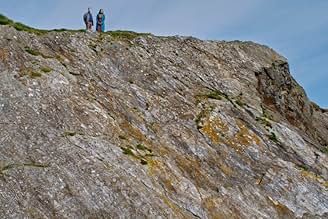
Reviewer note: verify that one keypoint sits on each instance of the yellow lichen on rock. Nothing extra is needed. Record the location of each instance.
(210, 131)
(282, 210)
(225, 169)
(134, 132)
(213, 127)
(3, 54)
(212, 206)
(176, 209)
(245, 136)
(312, 176)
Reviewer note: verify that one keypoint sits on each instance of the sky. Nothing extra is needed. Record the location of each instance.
(297, 29)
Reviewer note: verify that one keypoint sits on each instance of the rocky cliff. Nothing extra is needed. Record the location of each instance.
(125, 125)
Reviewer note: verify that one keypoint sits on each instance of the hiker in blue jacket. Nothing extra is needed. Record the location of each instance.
(100, 27)
(88, 20)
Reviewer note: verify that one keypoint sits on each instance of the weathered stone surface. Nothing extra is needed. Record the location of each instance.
(93, 126)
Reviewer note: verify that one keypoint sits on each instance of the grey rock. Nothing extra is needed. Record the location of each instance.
(93, 126)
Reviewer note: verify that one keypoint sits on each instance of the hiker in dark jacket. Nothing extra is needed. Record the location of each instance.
(88, 20)
(100, 27)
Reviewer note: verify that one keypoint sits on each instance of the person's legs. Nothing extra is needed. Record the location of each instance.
(89, 26)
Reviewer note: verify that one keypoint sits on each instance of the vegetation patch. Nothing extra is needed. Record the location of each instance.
(67, 30)
(239, 100)
(37, 165)
(240, 103)
(46, 69)
(69, 133)
(303, 167)
(266, 114)
(5, 21)
(22, 27)
(143, 148)
(4, 168)
(127, 151)
(218, 95)
(139, 152)
(25, 28)
(264, 121)
(273, 137)
(34, 74)
(214, 95)
(129, 35)
(122, 137)
(19, 26)
(32, 51)
(324, 150)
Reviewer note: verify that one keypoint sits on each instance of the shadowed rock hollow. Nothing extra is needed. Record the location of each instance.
(127, 125)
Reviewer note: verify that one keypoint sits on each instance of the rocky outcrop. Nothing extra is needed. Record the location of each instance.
(126, 125)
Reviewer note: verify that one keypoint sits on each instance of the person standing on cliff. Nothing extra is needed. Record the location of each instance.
(88, 20)
(100, 27)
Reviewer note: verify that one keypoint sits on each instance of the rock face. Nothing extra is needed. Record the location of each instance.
(114, 126)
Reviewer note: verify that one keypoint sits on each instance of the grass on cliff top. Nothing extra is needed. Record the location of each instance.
(22, 27)
(130, 35)
(5, 21)
(119, 34)
(19, 26)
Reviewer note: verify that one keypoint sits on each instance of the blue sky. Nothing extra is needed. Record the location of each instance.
(298, 29)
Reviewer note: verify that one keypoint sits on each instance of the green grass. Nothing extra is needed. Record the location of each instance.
(67, 30)
(22, 27)
(5, 21)
(34, 74)
(264, 121)
(46, 69)
(32, 51)
(15, 165)
(7, 167)
(143, 148)
(37, 165)
(69, 133)
(266, 114)
(303, 167)
(217, 95)
(324, 150)
(127, 151)
(240, 103)
(273, 137)
(239, 100)
(129, 35)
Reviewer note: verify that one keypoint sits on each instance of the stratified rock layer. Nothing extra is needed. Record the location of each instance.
(97, 126)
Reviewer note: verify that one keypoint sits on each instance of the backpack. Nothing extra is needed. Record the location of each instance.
(85, 17)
